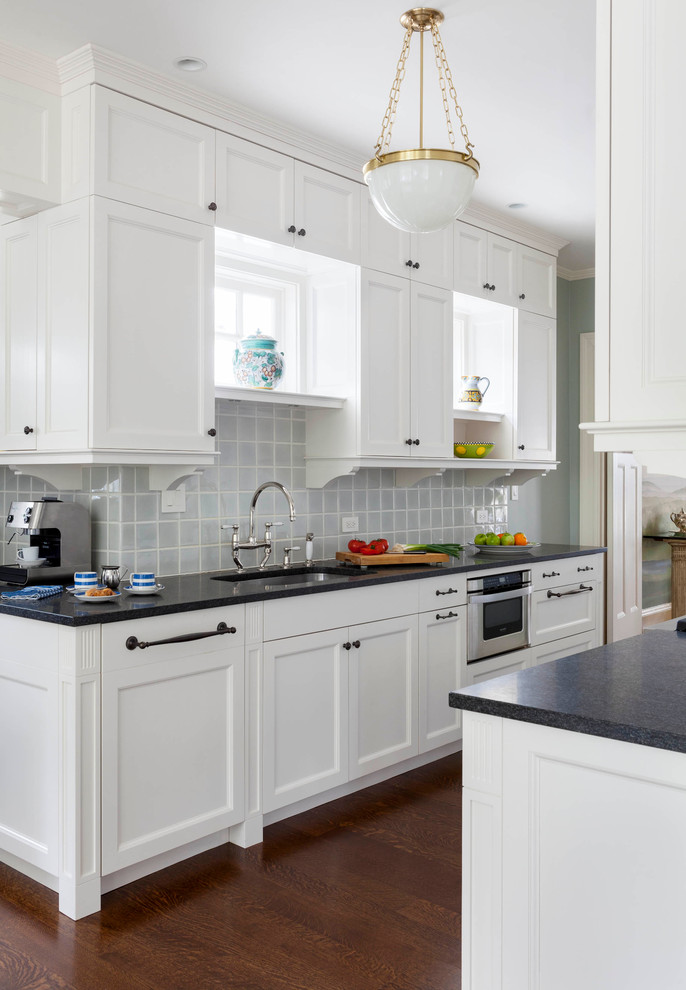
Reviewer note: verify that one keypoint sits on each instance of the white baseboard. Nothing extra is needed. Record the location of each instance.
(657, 613)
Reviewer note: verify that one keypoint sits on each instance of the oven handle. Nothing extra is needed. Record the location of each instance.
(563, 594)
(502, 596)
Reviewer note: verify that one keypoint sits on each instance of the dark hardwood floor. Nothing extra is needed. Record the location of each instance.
(360, 894)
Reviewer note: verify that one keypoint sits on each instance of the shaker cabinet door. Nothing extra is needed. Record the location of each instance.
(327, 213)
(18, 314)
(254, 190)
(536, 388)
(431, 374)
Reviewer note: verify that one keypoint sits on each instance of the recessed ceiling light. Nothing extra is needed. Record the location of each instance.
(190, 64)
(516, 206)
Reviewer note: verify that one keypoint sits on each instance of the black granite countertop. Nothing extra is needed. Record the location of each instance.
(189, 592)
(633, 690)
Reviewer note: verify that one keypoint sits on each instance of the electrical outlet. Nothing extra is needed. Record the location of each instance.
(173, 499)
(350, 524)
(514, 492)
(481, 516)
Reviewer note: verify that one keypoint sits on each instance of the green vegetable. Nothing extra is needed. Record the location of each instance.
(452, 549)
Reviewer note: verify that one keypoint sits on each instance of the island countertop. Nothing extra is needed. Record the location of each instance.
(633, 690)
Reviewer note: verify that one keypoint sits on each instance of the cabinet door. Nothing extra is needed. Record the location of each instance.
(30, 148)
(432, 257)
(305, 717)
(152, 158)
(383, 694)
(431, 371)
(172, 752)
(153, 333)
(537, 281)
(18, 315)
(442, 668)
(535, 387)
(384, 247)
(327, 213)
(503, 257)
(385, 365)
(63, 327)
(254, 190)
(471, 260)
(566, 610)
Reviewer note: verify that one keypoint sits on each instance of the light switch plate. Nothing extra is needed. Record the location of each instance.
(173, 499)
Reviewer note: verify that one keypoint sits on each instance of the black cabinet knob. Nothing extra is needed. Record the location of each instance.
(347, 646)
(212, 206)
(520, 446)
(212, 432)
(416, 443)
(28, 429)
(522, 296)
(302, 232)
(492, 288)
(416, 264)
(291, 229)
(356, 644)
(486, 285)
(409, 443)
(408, 264)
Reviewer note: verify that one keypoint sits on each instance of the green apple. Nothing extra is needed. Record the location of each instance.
(492, 540)
(480, 539)
(506, 539)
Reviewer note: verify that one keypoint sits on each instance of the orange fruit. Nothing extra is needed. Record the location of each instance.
(520, 540)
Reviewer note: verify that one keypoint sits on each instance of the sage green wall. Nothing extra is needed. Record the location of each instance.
(548, 508)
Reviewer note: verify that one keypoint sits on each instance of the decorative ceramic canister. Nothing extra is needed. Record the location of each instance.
(257, 363)
(472, 394)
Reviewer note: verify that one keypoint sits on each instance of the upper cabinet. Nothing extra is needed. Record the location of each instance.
(641, 211)
(421, 257)
(504, 271)
(274, 197)
(29, 149)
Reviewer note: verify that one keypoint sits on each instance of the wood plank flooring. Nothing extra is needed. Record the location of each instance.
(360, 894)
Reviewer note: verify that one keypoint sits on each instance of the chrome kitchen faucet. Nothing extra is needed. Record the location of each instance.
(252, 543)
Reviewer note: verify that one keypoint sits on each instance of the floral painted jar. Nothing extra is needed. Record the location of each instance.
(257, 363)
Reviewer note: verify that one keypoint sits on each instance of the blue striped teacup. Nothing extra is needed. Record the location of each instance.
(85, 579)
(143, 579)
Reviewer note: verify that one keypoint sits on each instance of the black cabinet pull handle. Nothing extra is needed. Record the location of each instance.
(291, 229)
(450, 615)
(302, 232)
(222, 629)
(563, 594)
(450, 591)
(356, 644)
(212, 432)
(212, 206)
(28, 429)
(522, 296)
(589, 568)
(347, 646)
(552, 574)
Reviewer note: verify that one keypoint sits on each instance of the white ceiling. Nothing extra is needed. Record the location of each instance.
(523, 71)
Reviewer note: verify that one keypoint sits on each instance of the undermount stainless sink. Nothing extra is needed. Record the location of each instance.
(284, 577)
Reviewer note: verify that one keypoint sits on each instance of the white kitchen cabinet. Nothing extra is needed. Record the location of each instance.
(29, 150)
(151, 158)
(442, 668)
(172, 734)
(424, 258)
(383, 694)
(18, 329)
(305, 717)
(405, 368)
(493, 267)
(535, 388)
(269, 195)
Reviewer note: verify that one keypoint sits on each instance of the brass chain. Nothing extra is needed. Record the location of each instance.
(446, 81)
(384, 141)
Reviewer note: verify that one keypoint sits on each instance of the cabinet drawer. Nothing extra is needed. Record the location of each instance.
(441, 592)
(564, 611)
(563, 648)
(116, 655)
(313, 613)
(506, 663)
(553, 573)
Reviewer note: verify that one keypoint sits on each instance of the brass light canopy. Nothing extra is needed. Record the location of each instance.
(422, 189)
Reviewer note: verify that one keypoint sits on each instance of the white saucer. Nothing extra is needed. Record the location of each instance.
(96, 599)
(73, 590)
(144, 591)
(31, 563)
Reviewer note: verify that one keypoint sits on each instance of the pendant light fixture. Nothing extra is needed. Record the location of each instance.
(422, 189)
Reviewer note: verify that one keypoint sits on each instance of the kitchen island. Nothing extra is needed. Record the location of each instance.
(574, 819)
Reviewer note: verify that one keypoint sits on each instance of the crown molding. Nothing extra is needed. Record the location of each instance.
(29, 68)
(92, 64)
(507, 226)
(572, 276)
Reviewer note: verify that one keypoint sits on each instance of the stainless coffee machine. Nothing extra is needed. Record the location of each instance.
(62, 533)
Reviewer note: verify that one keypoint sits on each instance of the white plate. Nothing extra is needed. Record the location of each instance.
(31, 563)
(496, 551)
(96, 599)
(144, 591)
(73, 590)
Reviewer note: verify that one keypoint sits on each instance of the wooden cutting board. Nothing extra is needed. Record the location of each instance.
(408, 559)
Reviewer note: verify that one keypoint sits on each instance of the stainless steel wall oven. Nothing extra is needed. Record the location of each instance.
(498, 614)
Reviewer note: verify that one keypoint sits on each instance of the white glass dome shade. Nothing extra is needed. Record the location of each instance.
(423, 189)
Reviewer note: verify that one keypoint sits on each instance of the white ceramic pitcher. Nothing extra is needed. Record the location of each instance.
(472, 393)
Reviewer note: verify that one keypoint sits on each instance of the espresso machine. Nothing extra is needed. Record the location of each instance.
(62, 533)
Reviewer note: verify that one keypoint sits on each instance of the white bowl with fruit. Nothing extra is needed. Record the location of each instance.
(502, 544)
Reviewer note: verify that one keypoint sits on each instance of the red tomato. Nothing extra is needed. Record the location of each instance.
(380, 544)
(355, 546)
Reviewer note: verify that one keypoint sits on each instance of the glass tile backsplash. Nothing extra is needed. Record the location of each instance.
(258, 442)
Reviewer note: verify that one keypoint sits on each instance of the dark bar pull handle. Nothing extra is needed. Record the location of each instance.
(450, 615)
(450, 591)
(132, 642)
(563, 594)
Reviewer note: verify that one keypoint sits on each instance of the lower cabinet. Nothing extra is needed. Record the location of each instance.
(442, 664)
(172, 735)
